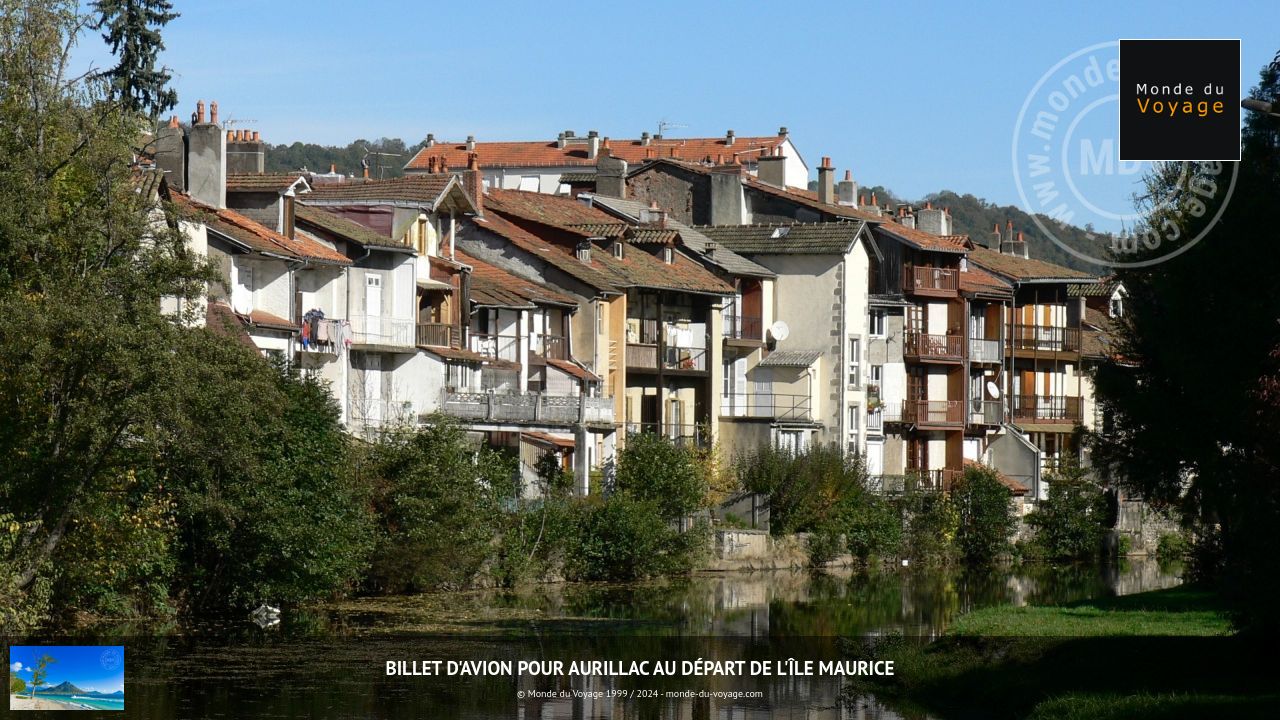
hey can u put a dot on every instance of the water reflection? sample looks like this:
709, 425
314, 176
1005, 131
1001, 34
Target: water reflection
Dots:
331, 664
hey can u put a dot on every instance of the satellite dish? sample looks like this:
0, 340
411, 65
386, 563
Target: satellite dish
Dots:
993, 390
779, 331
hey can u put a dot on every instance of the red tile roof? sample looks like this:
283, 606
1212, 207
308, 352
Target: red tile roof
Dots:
255, 236
547, 154
261, 182
555, 255
977, 280
268, 320
557, 211
494, 286
573, 369
1014, 486
924, 240
411, 189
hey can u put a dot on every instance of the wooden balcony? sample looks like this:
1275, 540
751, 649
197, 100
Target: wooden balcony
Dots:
437, 335
931, 281
986, 413
1054, 409
498, 347
744, 327
934, 348
547, 347
682, 435
1043, 341
939, 414
678, 359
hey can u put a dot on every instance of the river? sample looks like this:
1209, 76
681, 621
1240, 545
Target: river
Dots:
331, 663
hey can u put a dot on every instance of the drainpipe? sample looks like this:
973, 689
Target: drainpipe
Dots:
453, 231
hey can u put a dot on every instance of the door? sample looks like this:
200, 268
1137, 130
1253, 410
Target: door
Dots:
373, 388
875, 458
373, 304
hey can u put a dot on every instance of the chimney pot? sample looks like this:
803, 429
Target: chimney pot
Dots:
431, 140
255, 136
593, 133
848, 176
728, 138
471, 143
200, 111
333, 168
782, 131
173, 121
213, 112
231, 135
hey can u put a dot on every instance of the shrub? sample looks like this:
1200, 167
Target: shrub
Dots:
626, 538
1172, 547
985, 519
1070, 523
808, 491
930, 528
653, 469
875, 528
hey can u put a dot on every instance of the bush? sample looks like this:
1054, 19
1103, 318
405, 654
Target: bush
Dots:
1070, 524
439, 506
930, 528
811, 491
985, 519
626, 538
536, 541
17, 684
1172, 547
653, 469
875, 528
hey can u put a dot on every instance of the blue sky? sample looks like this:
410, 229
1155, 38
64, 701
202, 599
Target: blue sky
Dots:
82, 666
914, 96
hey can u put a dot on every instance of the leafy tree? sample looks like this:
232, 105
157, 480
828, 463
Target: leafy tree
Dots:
17, 685
133, 33
1198, 340
626, 538
654, 469
40, 672
808, 491
986, 519
1071, 523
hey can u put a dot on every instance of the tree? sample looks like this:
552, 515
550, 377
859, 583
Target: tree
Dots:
654, 469
1070, 524
1198, 341
17, 685
40, 673
986, 519
133, 33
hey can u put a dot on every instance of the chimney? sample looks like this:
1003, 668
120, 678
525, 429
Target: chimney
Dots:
728, 139
1013, 243
471, 143
726, 198
333, 168
645, 140
593, 144
933, 221
847, 190
431, 140
826, 182
213, 112
782, 131
584, 252
611, 175
473, 182
246, 153
772, 168
171, 154
207, 161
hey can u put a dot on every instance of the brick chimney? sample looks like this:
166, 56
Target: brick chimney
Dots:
473, 182
826, 181
847, 190
171, 153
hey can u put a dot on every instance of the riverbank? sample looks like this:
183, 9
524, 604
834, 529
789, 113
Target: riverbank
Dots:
25, 702
1163, 654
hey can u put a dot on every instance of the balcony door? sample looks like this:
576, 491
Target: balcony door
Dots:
373, 388
373, 304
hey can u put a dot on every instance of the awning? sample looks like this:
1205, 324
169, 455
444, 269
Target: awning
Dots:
429, 284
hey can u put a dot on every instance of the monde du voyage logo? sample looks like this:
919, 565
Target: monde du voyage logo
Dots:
1180, 100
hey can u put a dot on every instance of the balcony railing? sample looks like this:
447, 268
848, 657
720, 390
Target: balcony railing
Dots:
682, 358
934, 347
875, 421
930, 280
642, 356
984, 351
766, 405
743, 327
552, 347
986, 412
931, 479
378, 330
933, 412
498, 347
530, 408
1042, 408
1052, 339
320, 335
683, 435
437, 335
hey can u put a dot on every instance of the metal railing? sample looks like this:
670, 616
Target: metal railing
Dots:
684, 435
527, 407
986, 412
744, 327
941, 347
930, 280
982, 350
779, 406
1036, 337
498, 347
933, 412
1048, 408
378, 330
437, 334
875, 421
322, 335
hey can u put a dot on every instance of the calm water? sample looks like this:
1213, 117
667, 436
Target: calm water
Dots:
331, 664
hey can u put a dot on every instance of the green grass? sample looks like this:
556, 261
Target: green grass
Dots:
1164, 654
1181, 612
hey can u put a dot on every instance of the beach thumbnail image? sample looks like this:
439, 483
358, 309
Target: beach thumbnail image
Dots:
66, 677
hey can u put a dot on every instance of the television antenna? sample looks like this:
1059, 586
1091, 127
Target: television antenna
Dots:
364, 161
664, 125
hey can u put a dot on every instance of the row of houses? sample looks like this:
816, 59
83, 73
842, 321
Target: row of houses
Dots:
559, 296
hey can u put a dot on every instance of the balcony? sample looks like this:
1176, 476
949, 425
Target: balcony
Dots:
933, 413
528, 408
875, 421
1045, 409
437, 335
776, 406
551, 347
985, 351
381, 331
1035, 338
931, 281
744, 327
932, 479
682, 435
686, 359
497, 347
320, 336
934, 348
986, 412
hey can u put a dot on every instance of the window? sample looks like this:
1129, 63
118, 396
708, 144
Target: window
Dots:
855, 421
668, 255
875, 323
529, 183
1117, 307
877, 374
855, 360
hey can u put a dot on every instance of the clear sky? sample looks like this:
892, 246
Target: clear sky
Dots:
914, 96
85, 667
